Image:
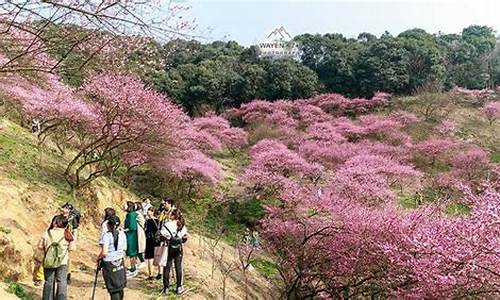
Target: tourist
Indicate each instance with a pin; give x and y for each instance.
(255, 240)
(38, 277)
(141, 235)
(73, 216)
(131, 228)
(175, 232)
(152, 228)
(108, 213)
(55, 250)
(113, 246)
(145, 207)
(166, 207)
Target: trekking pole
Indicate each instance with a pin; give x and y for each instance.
(95, 278)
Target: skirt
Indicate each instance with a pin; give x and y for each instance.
(150, 248)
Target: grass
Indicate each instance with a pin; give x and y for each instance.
(457, 209)
(210, 216)
(495, 157)
(265, 268)
(22, 160)
(408, 201)
(18, 290)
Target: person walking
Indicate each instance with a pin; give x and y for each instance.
(131, 228)
(175, 233)
(113, 246)
(152, 229)
(55, 249)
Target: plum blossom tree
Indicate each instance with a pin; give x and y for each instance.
(474, 95)
(368, 179)
(344, 250)
(404, 117)
(119, 116)
(339, 105)
(217, 134)
(273, 167)
(446, 128)
(24, 26)
(434, 148)
(471, 165)
(191, 168)
(491, 111)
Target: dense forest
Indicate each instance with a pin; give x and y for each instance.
(220, 74)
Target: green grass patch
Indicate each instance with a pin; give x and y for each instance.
(22, 160)
(457, 209)
(265, 268)
(18, 290)
(409, 201)
(210, 217)
(495, 157)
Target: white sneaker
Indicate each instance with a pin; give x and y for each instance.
(131, 274)
(180, 290)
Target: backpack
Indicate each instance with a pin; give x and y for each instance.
(175, 243)
(74, 218)
(54, 255)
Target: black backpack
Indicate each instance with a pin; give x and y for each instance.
(74, 218)
(175, 243)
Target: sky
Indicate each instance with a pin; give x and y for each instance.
(249, 22)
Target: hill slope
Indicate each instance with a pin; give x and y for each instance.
(31, 189)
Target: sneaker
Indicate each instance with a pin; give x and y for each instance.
(131, 274)
(164, 291)
(158, 277)
(180, 290)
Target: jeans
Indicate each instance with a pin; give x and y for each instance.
(53, 276)
(177, 259)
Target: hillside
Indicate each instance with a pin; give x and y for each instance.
(31, 189)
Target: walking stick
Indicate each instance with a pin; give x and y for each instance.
(95, 278)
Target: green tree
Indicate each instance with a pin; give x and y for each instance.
(288, 79)
(332, 57)
(381, 68)
(424, 58)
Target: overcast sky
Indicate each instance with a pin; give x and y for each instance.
(249, 22)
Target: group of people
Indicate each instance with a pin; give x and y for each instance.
(149, 236)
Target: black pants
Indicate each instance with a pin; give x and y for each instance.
(177, 260)
(115, 278)
(117, 295)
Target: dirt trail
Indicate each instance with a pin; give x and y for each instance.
(30, 194)
(27, 211)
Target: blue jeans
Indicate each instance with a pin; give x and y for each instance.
(53, 276)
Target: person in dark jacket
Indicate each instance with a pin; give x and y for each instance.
(73, 216)
(152, 230)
